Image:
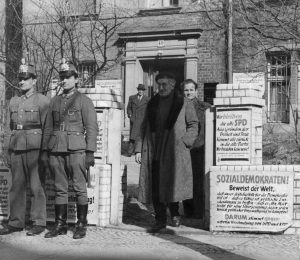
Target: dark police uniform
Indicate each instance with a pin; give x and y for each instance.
(71, 129)
(70, 137)
(26, 118)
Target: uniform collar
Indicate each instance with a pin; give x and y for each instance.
(69, 94)
(28, 94)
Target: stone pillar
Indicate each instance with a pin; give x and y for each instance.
(298, 91)
(112, 177)
(233, 134)
(209, 160)
(190, 67)
(130, 83)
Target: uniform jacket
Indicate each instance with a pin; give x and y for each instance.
(71, 124)
(200, 107)
(27, 113)
(136, 112)
(176, 182)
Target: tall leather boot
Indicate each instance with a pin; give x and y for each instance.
(61, 226)
(80, 228)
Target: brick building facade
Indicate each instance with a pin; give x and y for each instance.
(180, 35)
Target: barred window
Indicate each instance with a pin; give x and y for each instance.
(279, 74)
(162, 3)
(173, 2)
(86, 71)
(81, 7)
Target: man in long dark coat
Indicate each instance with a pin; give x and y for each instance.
(26, 117)
(136, 109)
(170, 128)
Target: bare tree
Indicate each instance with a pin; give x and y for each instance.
(84, 33)
(86, 37)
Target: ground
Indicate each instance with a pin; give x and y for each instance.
(130, 240)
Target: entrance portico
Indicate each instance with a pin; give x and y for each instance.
(147, 53)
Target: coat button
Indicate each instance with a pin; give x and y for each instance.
(77, 133)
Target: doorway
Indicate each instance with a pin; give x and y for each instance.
(152, 67)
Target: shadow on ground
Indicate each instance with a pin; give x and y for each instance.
(138, 214)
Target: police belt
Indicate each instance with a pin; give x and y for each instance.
(68, 128)
(26, 126)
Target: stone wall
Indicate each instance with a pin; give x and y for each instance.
(105, 172)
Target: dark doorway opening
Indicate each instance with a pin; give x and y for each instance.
(152, 67)
(210, 92)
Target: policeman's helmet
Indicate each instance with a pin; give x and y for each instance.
(26, 71)
(67, 69)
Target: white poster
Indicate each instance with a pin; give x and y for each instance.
(233, 133)
(251, 201)
(5, 183)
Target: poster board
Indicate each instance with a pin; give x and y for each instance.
(109, 86)
(101, 147)
(259, 201)
(5, 183)
(233, 133)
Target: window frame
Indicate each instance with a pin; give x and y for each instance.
(89, 81)
(171, 3)
(280, 76)
(77, 7)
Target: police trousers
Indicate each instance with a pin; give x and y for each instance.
(67, 166)
(26, 170)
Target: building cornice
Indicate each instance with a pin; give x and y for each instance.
(158, 34)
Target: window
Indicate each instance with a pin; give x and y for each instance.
(210, 92)
(81, 7)
(279, 73)
(87, 71)
(173, 2)
(161, 3)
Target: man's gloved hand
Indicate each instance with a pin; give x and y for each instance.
(138, 158)
(89, 159)
(44, 159)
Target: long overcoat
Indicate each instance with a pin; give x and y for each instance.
(175, 176)
(136, 112)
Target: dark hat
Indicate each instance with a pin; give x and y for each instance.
(141, 87)
(26, 70)
(165, 74)
(67, 69)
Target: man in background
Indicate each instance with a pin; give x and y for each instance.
(136, 109)
(195, 207)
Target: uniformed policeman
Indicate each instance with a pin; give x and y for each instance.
(25, 120)
(70, 136)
